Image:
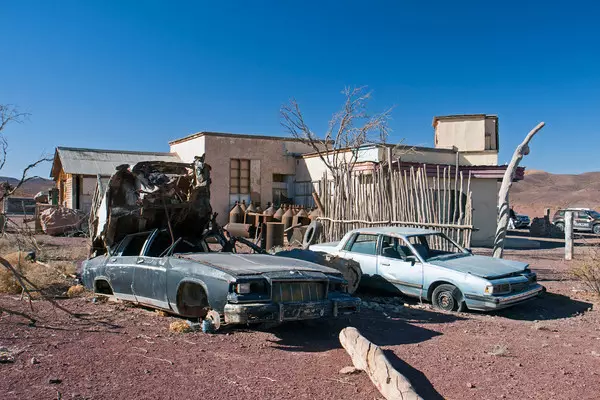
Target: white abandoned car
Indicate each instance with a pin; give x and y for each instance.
(427, 264)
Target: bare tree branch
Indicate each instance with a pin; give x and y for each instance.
(348, 130)
(10, 113)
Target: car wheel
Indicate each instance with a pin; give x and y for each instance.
(447, 297)
(596, 229)
(560, 226)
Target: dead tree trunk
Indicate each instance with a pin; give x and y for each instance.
(503, 199)
(369, 357)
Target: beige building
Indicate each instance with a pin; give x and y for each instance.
(266, 169)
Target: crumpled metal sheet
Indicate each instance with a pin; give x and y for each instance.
(153, 195)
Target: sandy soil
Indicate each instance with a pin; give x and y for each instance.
(546, 348)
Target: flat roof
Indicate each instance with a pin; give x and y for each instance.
(462, 116)
(396, 230)
(401, 146)
(232, 135)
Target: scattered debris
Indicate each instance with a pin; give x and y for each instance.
(499, 350)
(470, 385)
(57, 221)
(161, 313)
(6, 356)
(75, 290)
(34, 361)
(595, 353)
(54, 380)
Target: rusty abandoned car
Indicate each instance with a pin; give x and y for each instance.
(152, 232)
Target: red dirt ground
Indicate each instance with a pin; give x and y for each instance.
(547, 348)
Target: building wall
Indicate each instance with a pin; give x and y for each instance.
(466, 134)
(267, 157)
(189, 149)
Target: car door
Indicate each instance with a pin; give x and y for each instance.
(150, 273)
(362, 248)
(121, 265)
(393, 267)
(582, 221)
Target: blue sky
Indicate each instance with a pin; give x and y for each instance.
(136, 74)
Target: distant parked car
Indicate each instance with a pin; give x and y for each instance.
(427, 264)
(521, 221)
(584, 219)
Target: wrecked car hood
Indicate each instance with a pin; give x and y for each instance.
(151, 195)
(485, 267)
(255, 264)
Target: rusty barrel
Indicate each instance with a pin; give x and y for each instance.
(278, 214)
(272, 235)
(287, 218)
(236, 215)
(239, 230)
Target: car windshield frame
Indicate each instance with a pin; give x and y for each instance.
(594, 214)
(462, 253)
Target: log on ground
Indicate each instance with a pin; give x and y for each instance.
(369, 357)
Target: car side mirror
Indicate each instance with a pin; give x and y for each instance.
(411, 259)
(469, 251)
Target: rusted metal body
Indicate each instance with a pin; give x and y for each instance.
(152, 195)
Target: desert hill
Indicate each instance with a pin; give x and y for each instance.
(29, 188)
(540, 190)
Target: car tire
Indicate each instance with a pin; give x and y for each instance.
(596, 229)
(312, 234)
(560, 226)
(447, 297)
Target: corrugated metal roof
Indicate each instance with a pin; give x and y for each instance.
(103, 162)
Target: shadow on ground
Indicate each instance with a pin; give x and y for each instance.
(315, 336)
(548, 307)
(418, 380)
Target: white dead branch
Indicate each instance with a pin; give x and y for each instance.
(369, 357)
(503, 195)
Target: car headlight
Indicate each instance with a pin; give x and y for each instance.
(256, 287)
(242, 288)
(497, 289)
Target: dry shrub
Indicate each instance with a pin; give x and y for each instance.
(75, 290)
(42, 276)
(588, 271)
(180, 327)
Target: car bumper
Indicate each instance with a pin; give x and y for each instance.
(281, 312)
(488, 303)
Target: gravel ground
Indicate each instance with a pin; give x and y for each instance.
(546, 348)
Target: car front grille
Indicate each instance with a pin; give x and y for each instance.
(294, 291)
(518, 287)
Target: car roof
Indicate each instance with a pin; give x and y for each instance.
(396, 230)
(575, 209)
